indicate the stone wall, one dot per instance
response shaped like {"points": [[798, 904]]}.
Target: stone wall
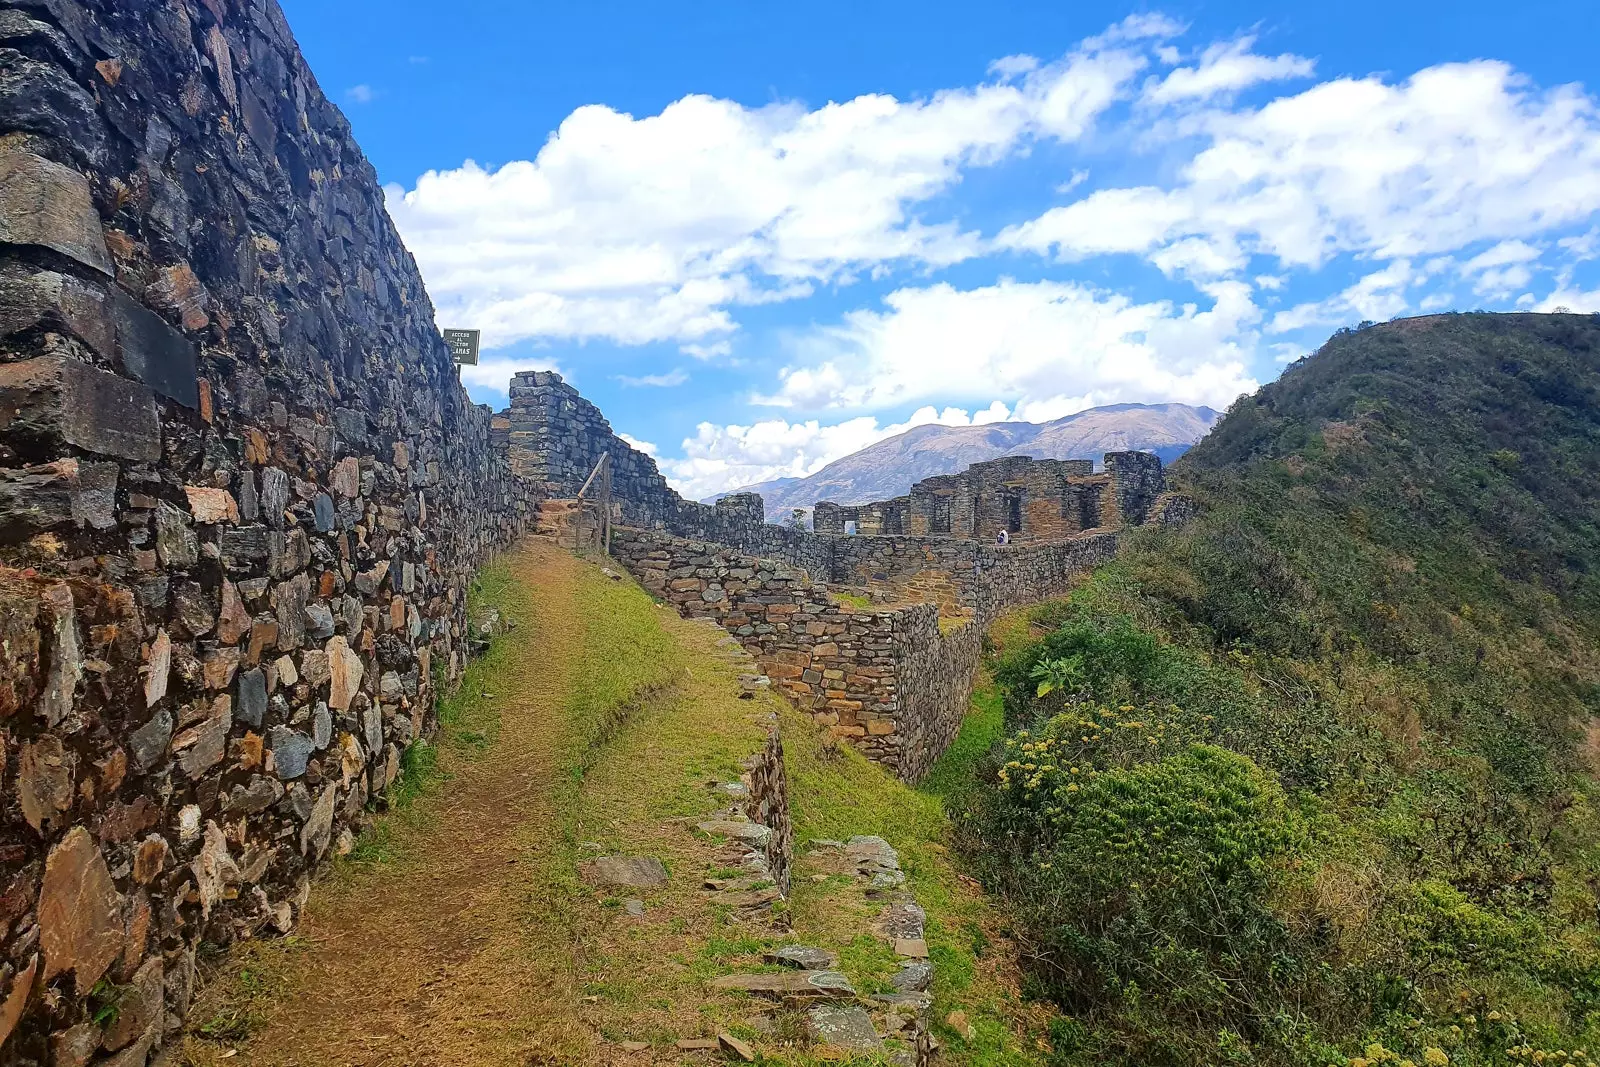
{"points": [[1031, 499], [843, 666], [555, 439], [768, 804], [241, 496]]}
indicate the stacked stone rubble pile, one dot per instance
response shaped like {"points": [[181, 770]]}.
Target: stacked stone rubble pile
{"points": [[241, 496]]}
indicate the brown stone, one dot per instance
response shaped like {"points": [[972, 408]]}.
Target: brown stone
{"points": [[202, 747], [344, 669], [788, 983], [17, 998], [220, 667], [124, 822], [211, 505], [233, 622], [247, 750], [139, 1006], [736, 1048], [74, 1047], [176, 289], [150, 859], [43, 203], [80, 913], [345, 478], [110, 70], [44, 782], [263, 635]]}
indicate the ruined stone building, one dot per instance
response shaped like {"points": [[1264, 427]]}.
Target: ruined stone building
{"points": [[1031, 499]]}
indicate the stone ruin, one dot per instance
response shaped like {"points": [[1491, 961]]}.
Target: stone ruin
{"points": [[1031, 499], [892, 677]]}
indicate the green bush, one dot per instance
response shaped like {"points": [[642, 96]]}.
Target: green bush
{"points": [[1307, 780]]}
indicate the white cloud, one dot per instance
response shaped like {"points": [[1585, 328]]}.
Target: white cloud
{"points": [[652, 228], [1571, 299], [1226, 67], [658, 381], [720, 458], [1377, 297], [1454, 155], [646, 447], [360, 94], [1047, 343], [1499, 271]]}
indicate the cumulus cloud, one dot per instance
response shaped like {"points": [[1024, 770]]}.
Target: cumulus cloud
{"points": [[639, 229], [1059, 346], [360, 94], [1225, 68], [1455, 154]]}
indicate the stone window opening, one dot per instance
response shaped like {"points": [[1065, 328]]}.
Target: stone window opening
{"points": [[940, 520]]}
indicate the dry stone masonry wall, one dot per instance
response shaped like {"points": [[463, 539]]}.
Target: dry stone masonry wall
{"points": [[241, 496], [889, 680]]}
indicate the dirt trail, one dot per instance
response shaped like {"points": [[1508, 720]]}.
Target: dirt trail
{"points": [[432, 962]]}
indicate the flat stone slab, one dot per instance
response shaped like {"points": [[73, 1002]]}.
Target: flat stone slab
{"points": [[844, 1026], [911, 947], [751, 833], [803, 958], [902, 920], [789, 984], [639, 872]]}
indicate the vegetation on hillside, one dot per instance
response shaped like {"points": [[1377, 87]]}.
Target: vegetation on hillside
{"points": [[1307, 781]]}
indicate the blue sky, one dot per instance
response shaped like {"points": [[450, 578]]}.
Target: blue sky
{"points": [[762, 236]]}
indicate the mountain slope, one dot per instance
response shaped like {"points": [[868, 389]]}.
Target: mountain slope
{"points": [[1315, 772], [890, 467]]}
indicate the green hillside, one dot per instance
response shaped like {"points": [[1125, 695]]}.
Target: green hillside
{"points": [[1308, 780]]}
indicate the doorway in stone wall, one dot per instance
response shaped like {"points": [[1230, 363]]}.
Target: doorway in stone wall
{"points": [[1012, 509]]}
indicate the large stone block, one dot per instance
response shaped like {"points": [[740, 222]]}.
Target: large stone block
{"points": [[45, 299], [154, 352], [54, 399], [45, 204]]}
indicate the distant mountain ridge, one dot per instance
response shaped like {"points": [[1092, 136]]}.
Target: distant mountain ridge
{"points": [[890, 467]]}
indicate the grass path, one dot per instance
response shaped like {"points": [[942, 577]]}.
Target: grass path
{"points": [[458, 931], [423, 951]]}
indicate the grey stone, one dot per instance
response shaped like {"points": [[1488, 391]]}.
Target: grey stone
{"points": [[751, 833], [641, 872], [259, 795], [43, 203], [322, 506], [802, 957], [175, 540], [291, 750], [634, 908], [789, 984], [274, 495], [243, 547], [149, 742], [319, 621], [154, 352], [321, 726], [913, 977], [252, 707], [53, 397], [43, 298], [193, 609], [249, 501], [372, 726], [844, 1026]]}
